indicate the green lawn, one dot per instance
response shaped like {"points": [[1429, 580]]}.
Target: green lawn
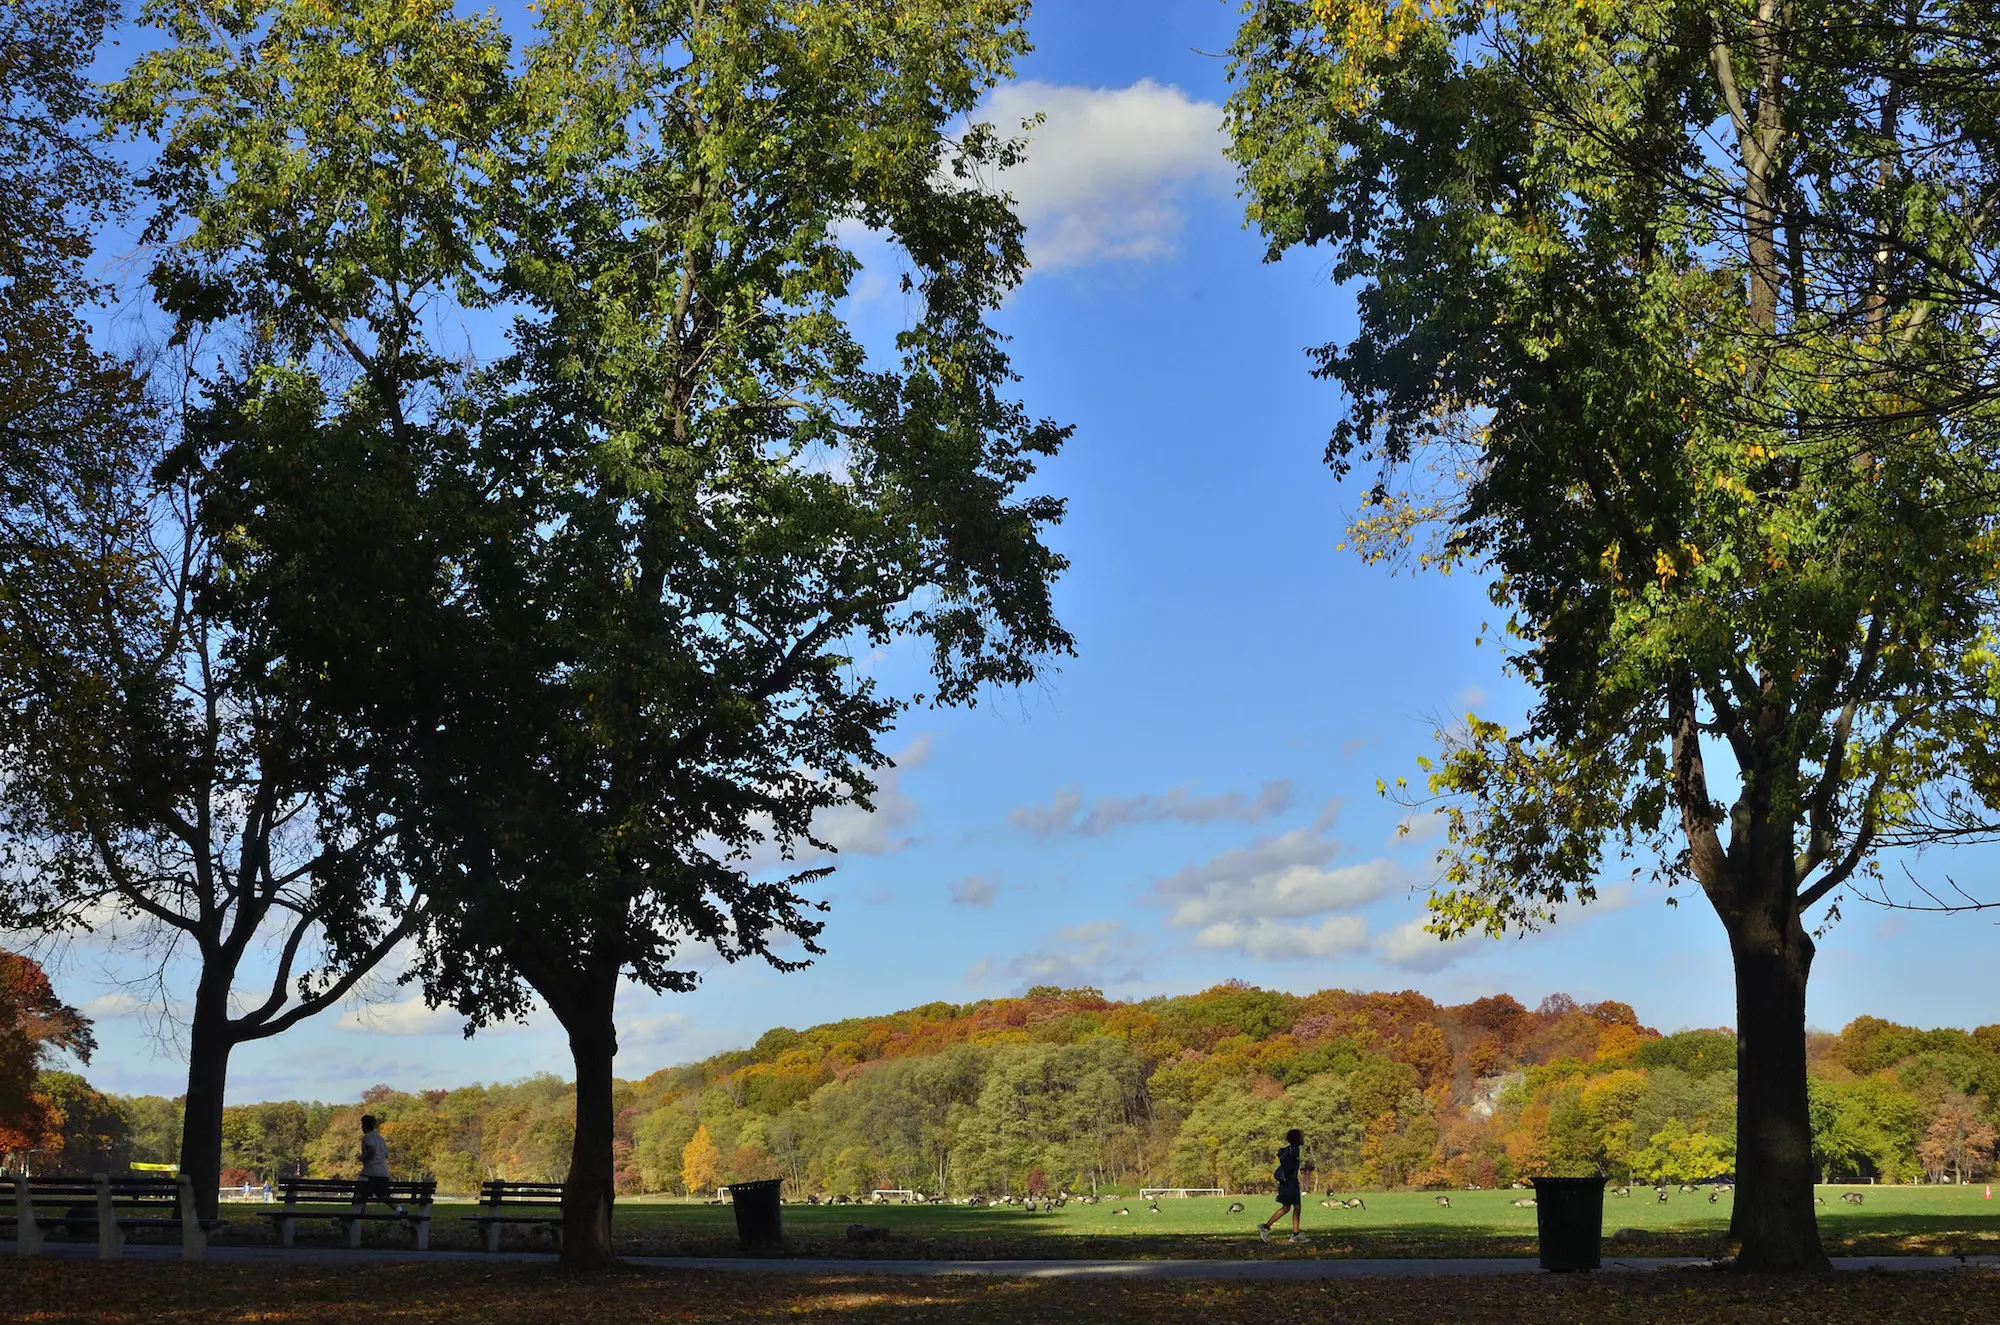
{"points": [[1892, 1220]]}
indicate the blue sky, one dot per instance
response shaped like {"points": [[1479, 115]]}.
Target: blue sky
{"points": [[1191, 798]]}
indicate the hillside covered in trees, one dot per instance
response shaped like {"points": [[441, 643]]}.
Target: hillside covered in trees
{"points": [[1068, 1089]]}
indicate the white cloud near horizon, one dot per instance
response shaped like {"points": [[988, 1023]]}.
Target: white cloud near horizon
{"points": [[649, 1032], [1080, 955], [404, 1016], [1411, 947], [976, 891], [1250, 899], [1178, 805], [1109, 171], [1276, 878], [1270, 940]]}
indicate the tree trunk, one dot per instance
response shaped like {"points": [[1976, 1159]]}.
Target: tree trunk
{"points": [[207, 1080], [593, 1043], [1773, 1207]]}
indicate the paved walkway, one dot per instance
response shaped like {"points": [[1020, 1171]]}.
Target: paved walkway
{"points": [[1300, 1268]]}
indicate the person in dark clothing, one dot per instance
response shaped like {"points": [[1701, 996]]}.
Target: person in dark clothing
{"points": [[1289, 1196], [1289, 1193]]}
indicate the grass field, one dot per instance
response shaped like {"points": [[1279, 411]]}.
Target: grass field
{"points": [[1891, 1220], [449, 1292]]}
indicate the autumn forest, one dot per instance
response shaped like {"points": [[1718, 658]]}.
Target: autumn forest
{"points": [[1067, 1090]]}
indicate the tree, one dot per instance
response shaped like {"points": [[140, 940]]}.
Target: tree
{"points": [[701, 1162], [87, 1132], [1959, 1141], [193, 795], [33, 1022], [68, 411], [609, 586], [1676, 1154], [210, 796], [1676, 321], [687, 500]]}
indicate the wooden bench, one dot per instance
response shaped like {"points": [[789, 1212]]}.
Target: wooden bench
{"points": [[110, 1208], [536, 1204], [328, 1192]]}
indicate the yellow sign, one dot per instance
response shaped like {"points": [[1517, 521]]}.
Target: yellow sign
{"points": [[154, 1168]]}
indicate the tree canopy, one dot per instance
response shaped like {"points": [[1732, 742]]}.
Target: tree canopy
{"points": [[1675, 322], [34, 1023], [618, 577]]}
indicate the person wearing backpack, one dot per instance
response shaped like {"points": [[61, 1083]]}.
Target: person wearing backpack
{"points": [[1289, 1196]]}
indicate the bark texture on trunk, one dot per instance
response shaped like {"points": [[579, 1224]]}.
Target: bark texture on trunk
{"points": [[1773, 1213], [587, 1199], [201, 1118]]}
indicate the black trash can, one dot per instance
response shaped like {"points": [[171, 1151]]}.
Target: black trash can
{"points": [[1569, 1217], [758, 1223]]}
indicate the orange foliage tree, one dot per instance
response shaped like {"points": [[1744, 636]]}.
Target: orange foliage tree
{"points": [[33, 1022]]}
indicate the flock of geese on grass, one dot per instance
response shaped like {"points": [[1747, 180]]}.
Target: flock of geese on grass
{"points": [[1031, 1205]]}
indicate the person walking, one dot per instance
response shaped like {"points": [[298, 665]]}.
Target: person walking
{"points": [[374, 1184], [1289, 1196]]}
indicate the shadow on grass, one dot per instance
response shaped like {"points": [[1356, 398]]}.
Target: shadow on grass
{"points": [[446, 1293]]}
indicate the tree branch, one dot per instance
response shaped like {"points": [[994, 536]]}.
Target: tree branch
{"points": [[333, 993]]}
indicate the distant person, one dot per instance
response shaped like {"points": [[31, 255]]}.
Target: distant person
{"points": [[1289, 1196], [374, 1184]]}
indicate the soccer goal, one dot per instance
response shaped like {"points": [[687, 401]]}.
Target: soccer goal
{"points": [[1146, 1193], [902, 1194]]}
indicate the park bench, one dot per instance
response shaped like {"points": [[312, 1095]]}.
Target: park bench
{"points": [[313, 1198], [110, 1208], [535, 1204]]}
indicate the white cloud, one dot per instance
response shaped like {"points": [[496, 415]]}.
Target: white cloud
{"points": [[1471, 697], [1270, 941], [117, 1003], [1413, 948], [976, 891], [640, 1032], [1048, 820], [405, 1016], [1107, 814], [1109, 171], [1417, 828], [1091, 932], [1278, 878], [1080, 956], [853, 831]]}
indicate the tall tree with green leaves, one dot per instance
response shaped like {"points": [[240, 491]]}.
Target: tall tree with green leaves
{"points": [[1676, 322], [610, 618], [74, 425], [68, 410], [192, 789], [718, 500]]}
